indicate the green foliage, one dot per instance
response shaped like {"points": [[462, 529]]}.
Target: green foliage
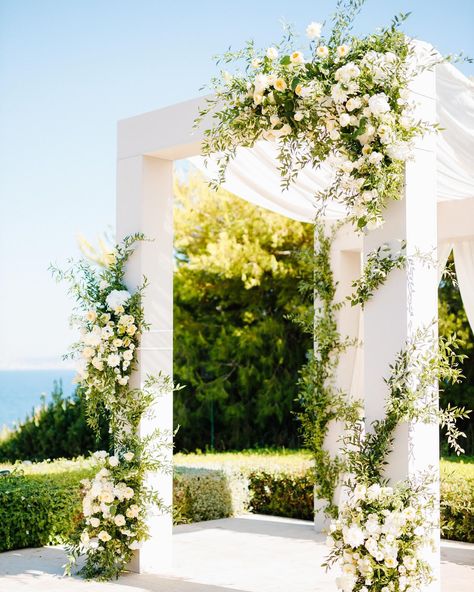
{"points": [[206, 494], [453, 320], [38, 509], [58, 429], [283, 494], [235, 348]]}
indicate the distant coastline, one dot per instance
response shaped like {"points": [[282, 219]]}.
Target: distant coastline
{"points": [[21, 391]]}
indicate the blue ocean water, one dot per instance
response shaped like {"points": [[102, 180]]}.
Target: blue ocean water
{"points": [[21, 390]]}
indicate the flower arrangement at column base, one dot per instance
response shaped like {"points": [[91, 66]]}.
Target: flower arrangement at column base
{"points": [[380, 538]]}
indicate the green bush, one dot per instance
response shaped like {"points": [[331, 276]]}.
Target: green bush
{"points": [[58, 429], [457, 500], [38, 509], [282, 494], [205, 494]]}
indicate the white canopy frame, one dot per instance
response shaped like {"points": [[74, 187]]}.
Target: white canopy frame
{"points": [[147, 146]]}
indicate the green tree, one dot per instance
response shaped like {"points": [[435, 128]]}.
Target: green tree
{"points": [[236, 350], [58, 429], [453, 319]]}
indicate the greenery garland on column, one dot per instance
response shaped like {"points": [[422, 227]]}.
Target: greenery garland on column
{"points": [[117, 500], [345, 101]]}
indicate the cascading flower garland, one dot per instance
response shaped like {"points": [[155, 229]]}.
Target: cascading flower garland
{"points": [[117, 500], [345, 102]]}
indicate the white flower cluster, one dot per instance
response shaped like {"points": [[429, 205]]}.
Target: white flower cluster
{"points": [[109, 508], [379, 539], [108, 340], [340, 103]]}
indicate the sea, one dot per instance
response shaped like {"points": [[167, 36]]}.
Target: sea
{"points": [[21, 391]]}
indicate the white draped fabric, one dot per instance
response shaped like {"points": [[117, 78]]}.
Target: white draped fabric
{"points": [[464, 258]]}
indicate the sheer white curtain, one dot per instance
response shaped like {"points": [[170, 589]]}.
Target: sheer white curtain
{"points": [[464, 260], [444, 249]]}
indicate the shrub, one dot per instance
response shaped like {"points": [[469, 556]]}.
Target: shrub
{"points": [[205, 494], [457, 501], [38, 509], [57, 429], [282, 494]]}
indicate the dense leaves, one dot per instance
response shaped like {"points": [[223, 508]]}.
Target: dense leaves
{"points": [[236, 350], [58, 429]]}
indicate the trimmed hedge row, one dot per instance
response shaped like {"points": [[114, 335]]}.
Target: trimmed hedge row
{"points": [[37, 509]]}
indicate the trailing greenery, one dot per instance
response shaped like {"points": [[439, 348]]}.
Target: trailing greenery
{"points": [[320, 401], [57, 429], [116, 501], [378, 266]]}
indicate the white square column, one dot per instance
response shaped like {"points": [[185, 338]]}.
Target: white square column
{"points": [[145, 204], [346, 268], [408, 301]]}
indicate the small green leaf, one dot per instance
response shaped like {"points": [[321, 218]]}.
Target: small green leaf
{"points": [[285, 60]]}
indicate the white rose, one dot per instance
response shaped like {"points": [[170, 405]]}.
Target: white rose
{"points": [[342, 51], [113, 461], [399, 151], [128, 456], [97, 363], [256, 63], [120, 520], [123, 380], [133, 511], [94, 522], [280, 84], [299, 115], [353, 536], [128, 493], [346, 583], [344, 119], [88, 352], [297, 57], [322, 51], [375, 157], [313, 30], [128, 355], [378, 104], [113, 360], [334, 135], [104, 536], [353, 103], [261, 83], [84, 537], [272, 53], [117, 298]]}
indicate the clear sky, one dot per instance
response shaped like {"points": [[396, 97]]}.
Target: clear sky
{"points": [[69, 69]]}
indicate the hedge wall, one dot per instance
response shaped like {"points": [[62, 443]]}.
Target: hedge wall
{"points": [[37, 509]]}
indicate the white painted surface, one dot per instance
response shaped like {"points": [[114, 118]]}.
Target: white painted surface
{"points": [[145, 204]]}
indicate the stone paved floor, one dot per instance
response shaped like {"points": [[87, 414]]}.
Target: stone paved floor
{"points": [[244, 554]]}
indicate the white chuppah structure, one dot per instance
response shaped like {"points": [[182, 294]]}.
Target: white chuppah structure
{"points": [[436, 215]]}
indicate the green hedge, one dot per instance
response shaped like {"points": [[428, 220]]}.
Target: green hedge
{"points": [[206, 494], [38, 509], [282, 494]]}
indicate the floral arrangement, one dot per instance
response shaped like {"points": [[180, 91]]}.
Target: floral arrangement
{"points": [[380, 538], [342, 99], [117, 500]]}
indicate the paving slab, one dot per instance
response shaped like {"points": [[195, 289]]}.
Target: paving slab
{"points": [[251, 553]]}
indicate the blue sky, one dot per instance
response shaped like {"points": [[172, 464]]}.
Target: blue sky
{"points": [[69, 69]]}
